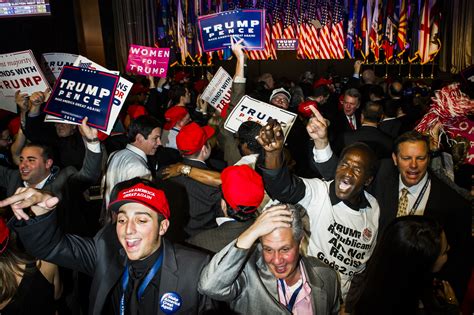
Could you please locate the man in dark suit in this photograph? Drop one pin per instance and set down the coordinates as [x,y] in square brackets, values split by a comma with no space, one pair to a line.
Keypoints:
[242,192]
[403,185]
[204,200]
[36,170]
[134,269]
[369,133]
[349,118]
[390,124]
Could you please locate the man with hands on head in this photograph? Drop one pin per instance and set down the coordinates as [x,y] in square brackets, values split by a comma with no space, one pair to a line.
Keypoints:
[134,269]
[343,216]
[271,277]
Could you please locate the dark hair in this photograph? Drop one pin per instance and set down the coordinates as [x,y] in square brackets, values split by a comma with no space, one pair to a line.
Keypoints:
[322,90]
[372,112]
[410,136]
[376,90]
[390,107]
[46,151]
[372,158]
[242,214]
[10,267]
[175,93]
[394,91]
[143,125]
[247,132]
[400,268]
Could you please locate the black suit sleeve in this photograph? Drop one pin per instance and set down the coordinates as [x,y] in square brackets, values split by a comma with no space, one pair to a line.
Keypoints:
[281,185]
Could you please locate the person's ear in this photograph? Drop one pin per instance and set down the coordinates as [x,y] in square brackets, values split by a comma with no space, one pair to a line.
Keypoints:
[164,225]
[394,158]
[49,163]
[139,138]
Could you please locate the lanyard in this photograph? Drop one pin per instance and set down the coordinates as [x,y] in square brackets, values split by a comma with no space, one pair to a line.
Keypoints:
[420,196]
[154,269]
[289,305]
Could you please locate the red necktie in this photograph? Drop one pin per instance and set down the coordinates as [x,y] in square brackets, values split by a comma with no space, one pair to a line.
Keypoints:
[350,123]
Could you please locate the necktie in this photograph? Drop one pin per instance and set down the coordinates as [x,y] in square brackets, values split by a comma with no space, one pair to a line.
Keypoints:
[350,123]
[403,203]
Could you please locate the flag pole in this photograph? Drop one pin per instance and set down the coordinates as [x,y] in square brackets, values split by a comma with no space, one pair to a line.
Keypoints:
[432,70]
[421,71]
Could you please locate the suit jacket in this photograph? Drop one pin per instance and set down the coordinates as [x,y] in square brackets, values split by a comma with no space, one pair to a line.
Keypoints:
[204,201]
[391,127]
[339,125]
[68,184]
[376,139]
[444,204]
[242,278]
[104,259]
[217,238]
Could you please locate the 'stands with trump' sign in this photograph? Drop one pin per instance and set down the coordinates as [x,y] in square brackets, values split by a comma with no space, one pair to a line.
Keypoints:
[216,29]
[148,60]
[255,110]
[19,71]
[81,92]
[217,92]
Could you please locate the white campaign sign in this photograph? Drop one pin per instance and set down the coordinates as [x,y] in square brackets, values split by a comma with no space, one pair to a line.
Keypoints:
[19,71]
[217,92]
[255,110]
[54,62]
[123,88]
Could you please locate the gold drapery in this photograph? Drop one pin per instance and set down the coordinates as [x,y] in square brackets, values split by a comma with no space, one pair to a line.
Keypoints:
[458,35]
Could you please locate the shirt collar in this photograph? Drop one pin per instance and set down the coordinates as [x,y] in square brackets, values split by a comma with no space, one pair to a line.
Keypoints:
[40,185]
[136,150]
[221,220]
[363,202]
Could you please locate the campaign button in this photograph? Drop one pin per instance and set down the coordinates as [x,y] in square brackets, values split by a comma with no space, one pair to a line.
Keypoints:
[170,302]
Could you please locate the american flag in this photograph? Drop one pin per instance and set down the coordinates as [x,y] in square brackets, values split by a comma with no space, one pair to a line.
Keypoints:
[402,28]
[312,46]
[325,32]
[289,27]
[277,26]
[265,53]
[302,31]
[337,31]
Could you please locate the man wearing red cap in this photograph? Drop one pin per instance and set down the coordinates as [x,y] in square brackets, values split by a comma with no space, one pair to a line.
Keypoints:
[176,117]
[271,277]
[204,200]
[134,269]
[242,193]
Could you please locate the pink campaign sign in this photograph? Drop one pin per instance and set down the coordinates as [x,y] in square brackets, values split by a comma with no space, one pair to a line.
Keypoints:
[148,60]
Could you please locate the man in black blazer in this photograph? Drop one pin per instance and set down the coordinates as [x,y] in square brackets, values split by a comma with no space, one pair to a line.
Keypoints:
[132,265]
[242,193]
[349,118]
[369,133]
[204,200]
[37,170]
[426,195]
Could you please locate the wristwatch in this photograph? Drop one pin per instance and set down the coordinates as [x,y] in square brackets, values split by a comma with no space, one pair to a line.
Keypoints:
[185,170]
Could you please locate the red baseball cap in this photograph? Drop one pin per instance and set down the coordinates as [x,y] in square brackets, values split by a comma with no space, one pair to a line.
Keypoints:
[322,81]
[173,115]
[192,137]
[138,88]
[4,235]
[242,187]
[143,194]
[304,110]
[181,76]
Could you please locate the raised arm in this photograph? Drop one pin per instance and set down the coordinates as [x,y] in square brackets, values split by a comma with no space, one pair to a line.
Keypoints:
[208,177]
[279,183]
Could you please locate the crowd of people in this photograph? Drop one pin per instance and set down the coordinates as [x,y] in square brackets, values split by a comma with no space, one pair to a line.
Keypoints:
[348,213]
